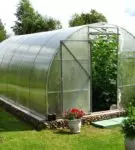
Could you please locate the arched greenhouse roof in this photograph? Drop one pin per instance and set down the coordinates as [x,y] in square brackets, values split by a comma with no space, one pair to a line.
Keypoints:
[31,70]
[51,39]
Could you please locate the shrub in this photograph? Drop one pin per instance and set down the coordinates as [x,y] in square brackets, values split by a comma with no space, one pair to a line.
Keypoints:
[128,125]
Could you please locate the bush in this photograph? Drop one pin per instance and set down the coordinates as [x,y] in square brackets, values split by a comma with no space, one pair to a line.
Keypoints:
[128,125]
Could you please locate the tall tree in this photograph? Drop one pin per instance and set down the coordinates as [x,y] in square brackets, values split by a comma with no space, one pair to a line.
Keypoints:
[2,32]
[30,21]
[87,18]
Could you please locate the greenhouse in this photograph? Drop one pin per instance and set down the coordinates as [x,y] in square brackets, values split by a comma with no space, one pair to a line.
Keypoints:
[50,72]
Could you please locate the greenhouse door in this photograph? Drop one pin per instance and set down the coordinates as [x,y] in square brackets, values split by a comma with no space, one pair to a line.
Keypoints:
[104,52]
[75,75]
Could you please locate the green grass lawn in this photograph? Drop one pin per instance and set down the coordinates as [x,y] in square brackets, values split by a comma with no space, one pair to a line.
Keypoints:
[17,135]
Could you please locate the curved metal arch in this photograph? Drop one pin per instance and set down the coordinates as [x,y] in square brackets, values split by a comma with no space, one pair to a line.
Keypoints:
[49,68]
[46,43]
[124,30]
[6,54]
[53,57]
[35,61]
[20,44]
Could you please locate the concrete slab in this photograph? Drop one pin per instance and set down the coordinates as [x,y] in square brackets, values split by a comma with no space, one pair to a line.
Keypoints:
[109,123]
[119,119]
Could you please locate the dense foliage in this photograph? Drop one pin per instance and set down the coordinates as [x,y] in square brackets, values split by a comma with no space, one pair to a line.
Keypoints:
[30,21]
[104,72]
[2,32]
[128,125]
[87,18]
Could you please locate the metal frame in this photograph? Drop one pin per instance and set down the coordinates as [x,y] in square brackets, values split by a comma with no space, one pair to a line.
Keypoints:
[107,34]
[8,64]
[45,78]
[90,70]
[61,74]
[97,33]
[76,59]
[117,60]
[88,74]
[92,30]
[8,68]
[90,47]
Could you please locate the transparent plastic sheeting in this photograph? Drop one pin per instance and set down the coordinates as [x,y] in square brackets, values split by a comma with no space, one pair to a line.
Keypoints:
[126,67]
[49,72]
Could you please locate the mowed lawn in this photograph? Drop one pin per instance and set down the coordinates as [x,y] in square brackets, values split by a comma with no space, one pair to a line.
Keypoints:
[17,135]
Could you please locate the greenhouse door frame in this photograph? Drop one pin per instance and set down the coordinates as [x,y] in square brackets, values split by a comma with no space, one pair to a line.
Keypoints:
[103,32]
[88,73]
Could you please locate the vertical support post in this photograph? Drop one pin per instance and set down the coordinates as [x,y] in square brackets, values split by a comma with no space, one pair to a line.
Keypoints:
[61,75]
[117,63]
[91,102]
[90,70]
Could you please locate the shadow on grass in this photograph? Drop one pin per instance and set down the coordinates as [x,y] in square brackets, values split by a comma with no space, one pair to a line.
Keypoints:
[9,123]
[64,132]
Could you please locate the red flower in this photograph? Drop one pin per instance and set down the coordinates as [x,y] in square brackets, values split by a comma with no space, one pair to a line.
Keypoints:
[74,113]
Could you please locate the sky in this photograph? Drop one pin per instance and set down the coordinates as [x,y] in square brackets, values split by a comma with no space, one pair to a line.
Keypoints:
[119,12]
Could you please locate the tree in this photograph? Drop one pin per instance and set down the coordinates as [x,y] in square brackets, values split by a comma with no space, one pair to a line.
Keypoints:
[104,72]
[30,21]
[2,32]
[87,18]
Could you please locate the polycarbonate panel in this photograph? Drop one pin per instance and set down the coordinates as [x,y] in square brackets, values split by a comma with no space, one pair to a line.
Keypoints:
[128,41]
[40,38]
[54,102]
[126,66]
[103,29]
[80,34]
[25,74]
[3,52]
[5,47]
[38,80]
[126,76]
[63,34]
[128,93]
[80,49]
[76,84]
[13,86]
[10,92]
[7,56]
[77,99]
[54,87]
[127,69]
[71,70]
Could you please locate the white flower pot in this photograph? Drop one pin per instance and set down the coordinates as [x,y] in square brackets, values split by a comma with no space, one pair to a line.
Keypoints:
[74,125]
[129,144]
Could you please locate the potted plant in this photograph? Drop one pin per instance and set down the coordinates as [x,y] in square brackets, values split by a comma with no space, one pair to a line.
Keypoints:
[128,127]
[74,116]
